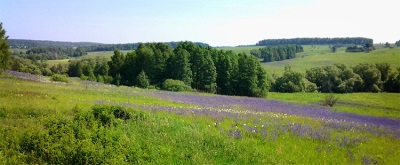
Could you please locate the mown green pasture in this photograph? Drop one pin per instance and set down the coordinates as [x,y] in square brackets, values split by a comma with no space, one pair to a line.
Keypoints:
[43,122]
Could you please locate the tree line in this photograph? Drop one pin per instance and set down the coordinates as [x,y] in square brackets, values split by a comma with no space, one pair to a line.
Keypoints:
[397,43]
[339,78]
[202,68]
[277,53]
[128,46]
[317,41]
[28,44]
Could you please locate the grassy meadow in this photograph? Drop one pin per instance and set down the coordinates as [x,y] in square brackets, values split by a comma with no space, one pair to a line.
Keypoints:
[82,122]
[240,49]
[322,56]
[106,54]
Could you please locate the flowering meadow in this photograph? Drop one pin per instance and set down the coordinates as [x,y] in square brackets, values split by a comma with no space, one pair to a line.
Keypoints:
[83,122]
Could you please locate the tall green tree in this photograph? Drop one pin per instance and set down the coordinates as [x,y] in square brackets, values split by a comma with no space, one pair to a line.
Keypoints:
[116,63]
[371,77]
[145,59]
[4,49]
[225,74]
[392,84]
[157,69]
[247,76]
[209,74]
[130,70]
[178,67]
[142,80]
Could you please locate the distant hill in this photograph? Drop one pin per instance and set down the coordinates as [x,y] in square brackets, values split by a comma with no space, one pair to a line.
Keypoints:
[131,46]
[87,46]
[317,41]
[27,44]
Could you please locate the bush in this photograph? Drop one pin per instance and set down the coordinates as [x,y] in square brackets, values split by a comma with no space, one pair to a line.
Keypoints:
[175,85]
[290,82]
[329,100]
[59,77]
[142,81]
[106,114]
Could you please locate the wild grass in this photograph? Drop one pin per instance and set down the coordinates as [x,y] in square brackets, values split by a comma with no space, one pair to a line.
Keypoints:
[369,104]
[73,123]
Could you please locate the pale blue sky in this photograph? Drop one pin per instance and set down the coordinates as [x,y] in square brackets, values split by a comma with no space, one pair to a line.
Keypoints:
[217,22]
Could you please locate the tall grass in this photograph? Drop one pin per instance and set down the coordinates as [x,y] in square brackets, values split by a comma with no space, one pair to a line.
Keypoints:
[88,123]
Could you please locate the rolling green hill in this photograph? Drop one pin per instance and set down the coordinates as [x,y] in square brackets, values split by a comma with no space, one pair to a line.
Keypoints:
[321,56]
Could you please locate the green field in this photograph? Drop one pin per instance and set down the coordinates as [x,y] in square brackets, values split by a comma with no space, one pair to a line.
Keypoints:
[240,49]
[321,56]
[43,122]
[369,104]
[106,54]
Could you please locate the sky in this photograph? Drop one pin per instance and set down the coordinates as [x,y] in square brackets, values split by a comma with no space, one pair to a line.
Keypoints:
[216,22]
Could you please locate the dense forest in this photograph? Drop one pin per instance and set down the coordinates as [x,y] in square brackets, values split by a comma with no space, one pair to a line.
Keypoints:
[316,41]
[277,53]
[190,66]
[87,46]
[28,44]
[129,46]
[339,78]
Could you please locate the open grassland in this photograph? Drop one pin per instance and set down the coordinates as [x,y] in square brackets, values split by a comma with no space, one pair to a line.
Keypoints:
[106,54]
[240,49]
[368,104]
[322,57]
[82,122]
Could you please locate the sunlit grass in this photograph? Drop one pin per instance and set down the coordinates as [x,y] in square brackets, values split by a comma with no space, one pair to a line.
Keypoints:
[323,57]
[50,122]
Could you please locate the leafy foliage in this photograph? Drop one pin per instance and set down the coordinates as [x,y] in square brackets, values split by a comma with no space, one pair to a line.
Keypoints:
[60,78]
[142,81]
[290,82]
[202,68]
[280,53]
[4,49]
[175,85]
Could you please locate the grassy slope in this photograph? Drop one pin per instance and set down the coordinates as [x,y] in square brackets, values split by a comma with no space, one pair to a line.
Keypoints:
[106,54]
[240,49]
[321,56]
[369,104]
[166,138]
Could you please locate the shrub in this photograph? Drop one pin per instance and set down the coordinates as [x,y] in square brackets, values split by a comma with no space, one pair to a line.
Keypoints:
[329,100]
[59,77]
[106,113]
[142,80]
[175,85]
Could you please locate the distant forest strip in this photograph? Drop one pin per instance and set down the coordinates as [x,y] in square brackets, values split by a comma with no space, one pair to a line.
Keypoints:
[87,46]
[277,53]
[55,50]
[317,41]
[28,44]
[130,46]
